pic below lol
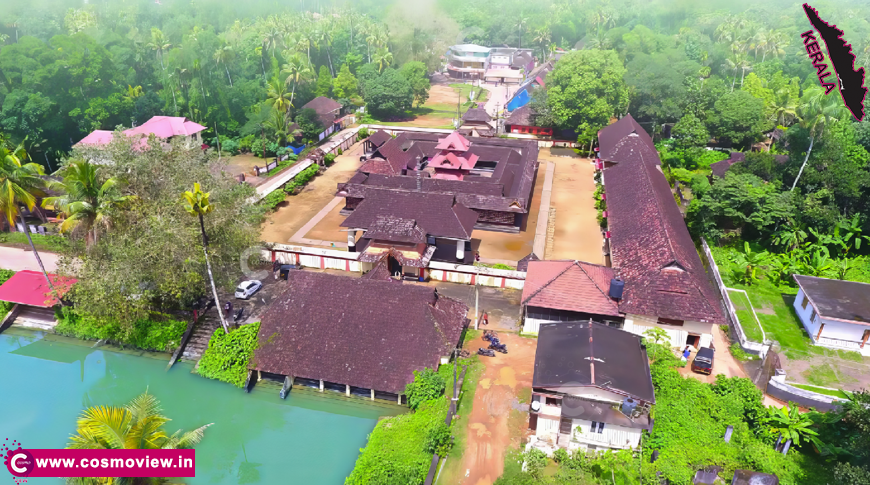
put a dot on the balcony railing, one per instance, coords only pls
(839, 343)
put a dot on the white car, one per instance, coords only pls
(247, 289)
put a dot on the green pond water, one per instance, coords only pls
(309, 438)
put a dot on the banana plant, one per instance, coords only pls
(750, 262)
(818, 263)
(791, 236)
(792, 424)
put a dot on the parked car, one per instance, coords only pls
(247, 289)
(703, 362)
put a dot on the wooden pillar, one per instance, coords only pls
(866, 336)
(321, 385)
(373, 394)
(347, 390)
(821, 327)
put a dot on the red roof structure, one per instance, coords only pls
(570, 285)
(455, 161)
(160, 126)
(453, 142)
(650, 243)
(30, 288)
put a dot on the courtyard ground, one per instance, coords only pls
(298, 209)
(502, 305)
(438, 111)
(499, 416)
(577, 234)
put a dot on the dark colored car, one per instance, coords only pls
(703, 362)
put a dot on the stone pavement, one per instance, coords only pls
(20, 259)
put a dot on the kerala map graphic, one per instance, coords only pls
(850, 80)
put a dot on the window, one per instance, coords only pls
(552, 401)
(592, 429)
(804, 303)
(670, 321)
(600, 427)
(813, 316)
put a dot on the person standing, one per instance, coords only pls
(686, 354)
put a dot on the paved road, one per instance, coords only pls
(502, 305)
(18, 260)
(498, 96)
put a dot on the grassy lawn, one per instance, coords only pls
(822, 390)
(745, 315)
(775, 312)
(464, 89)
(43, 243)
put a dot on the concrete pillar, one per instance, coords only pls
(460, 250)
(351, 239)
(373, 394)
(321, 385)
(347, 390)
(400, 399)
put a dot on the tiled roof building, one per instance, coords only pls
(360, 332)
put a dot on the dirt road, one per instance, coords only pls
(489, 432)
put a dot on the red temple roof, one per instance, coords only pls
(453, 142)
(30, 288)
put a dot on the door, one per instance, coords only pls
(694, 340)
(395, 267)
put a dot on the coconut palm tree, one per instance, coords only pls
(815, 113)
(520, 24)
(85, 201)
(277, 95)
(224, 55)
(136, 426)
(296, 69)
(542, 38)
(383, 58)
(785, 107)
(20, 183)
(196, 204)
(159, 44)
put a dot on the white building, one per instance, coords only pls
(591, 388)
(835, 313)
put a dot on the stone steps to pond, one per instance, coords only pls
(202, 333)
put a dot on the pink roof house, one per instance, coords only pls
(163, 127)
(454, 161)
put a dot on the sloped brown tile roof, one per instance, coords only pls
(357, 331)
(476, 114)
(391, 228)
(379, 137)
(719, 168)
(609, 136)
(381, 271)
(650, 244)
(439, 214)
(523, 264)
(379, 166)
(322, 105)
(569, 285)
(520, 116)
(405, 258)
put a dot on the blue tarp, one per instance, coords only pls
(296, 150)
(520, 99)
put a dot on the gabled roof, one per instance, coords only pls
(322, 105)
(30, 288)
(569, 285)
(523, 264)
(379, 137)
(453, 142)
(391, 228)
(521, 116)
(97, 137)
(609, 137)
(358, 331)
(451, 160)
(381, 271)
(439, 214)
(166, 126)
(574, 355)
(721, 167)
(846, 301)
(476, 114)
(379, 166)
(649, 241)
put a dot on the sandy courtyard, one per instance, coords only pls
(298, 209)
(577, 234)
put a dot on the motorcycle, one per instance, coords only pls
(464, 353)
(488, 353)
(490, 335)
(498, 347)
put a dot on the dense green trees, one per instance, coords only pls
(389, 94)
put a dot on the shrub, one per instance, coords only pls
(738, 352)
(340, 152)
(257, 148)
(427, 385)
(328, 159)
(271, 201)
(363, 133)
(303, 178)
(438, 440)
(5, 306)
(245, 143)
(227, 144)
(396, 450)
(147, 334)
(227, 356)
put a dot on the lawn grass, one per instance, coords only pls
(825, 375)
(465, 89)
(783, 326)
(821, 390)
(53, 244)
(746, 316)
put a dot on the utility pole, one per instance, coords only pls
(476, 295)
